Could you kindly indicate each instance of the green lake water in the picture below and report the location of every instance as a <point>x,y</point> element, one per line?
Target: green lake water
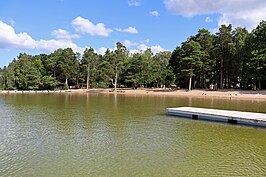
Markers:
<point>117,135</point>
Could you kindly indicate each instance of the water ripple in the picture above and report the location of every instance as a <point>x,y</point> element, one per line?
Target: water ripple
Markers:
<point>56,135</point>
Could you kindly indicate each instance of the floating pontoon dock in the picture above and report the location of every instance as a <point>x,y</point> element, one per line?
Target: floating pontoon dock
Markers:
<point>234,117</point>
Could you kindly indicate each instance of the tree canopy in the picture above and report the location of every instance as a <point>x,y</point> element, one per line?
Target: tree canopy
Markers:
<point>231,58</point>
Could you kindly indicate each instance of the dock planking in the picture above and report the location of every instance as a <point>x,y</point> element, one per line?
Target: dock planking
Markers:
<point>234,117</point>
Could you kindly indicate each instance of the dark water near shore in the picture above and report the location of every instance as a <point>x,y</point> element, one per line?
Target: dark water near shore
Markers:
<point>118,135</point>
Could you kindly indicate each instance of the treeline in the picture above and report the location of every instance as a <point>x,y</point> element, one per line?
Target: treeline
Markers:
<point>229,59</point>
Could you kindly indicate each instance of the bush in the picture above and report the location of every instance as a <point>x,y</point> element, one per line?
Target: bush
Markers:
<point>66,87</point>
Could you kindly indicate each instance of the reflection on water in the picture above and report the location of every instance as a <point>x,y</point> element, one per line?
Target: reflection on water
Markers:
<point>117,135</point>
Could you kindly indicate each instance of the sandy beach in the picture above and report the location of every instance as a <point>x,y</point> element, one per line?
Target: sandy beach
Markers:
<point>226,93</point>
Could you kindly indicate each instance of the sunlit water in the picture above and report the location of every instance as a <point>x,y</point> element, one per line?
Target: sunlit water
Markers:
<point>118,135</point>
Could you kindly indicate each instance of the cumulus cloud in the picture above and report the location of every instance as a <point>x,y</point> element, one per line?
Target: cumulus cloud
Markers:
<point>133,3</point>
<point>12,40</point>
<point>135,47</point>
<point>155,49</point>
<point>134,51</point>
<point>142,47</point>
<point>130,29</point>
<point>139,47</point>
<point>63,34</point>
<point>237,12</point>
<point>129,43</point>
<point>154,13</point>
<point>101,50</point>
<point>84,26</point>
<point>52,45</point>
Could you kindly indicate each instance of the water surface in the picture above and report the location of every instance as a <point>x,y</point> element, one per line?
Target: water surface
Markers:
<point>118,135</point>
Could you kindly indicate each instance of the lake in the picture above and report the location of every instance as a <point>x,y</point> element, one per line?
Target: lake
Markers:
<point>65,134</point>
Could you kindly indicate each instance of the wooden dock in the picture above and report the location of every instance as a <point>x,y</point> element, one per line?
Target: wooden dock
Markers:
<point>233,117</point>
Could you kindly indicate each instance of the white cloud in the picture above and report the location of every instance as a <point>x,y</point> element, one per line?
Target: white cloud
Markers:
<point>52,45</point>
<point>155,13</point>
<point>63,34</point>
<point>129,43</point>
<point>190,8</point>
<point>139,47</point>
<point>237,12</point>
<point>101,50</point>
<point>249,18</point>
<point>133,3</point>
<point>155,49</point>
<point>83,26</point>
<point>134,51</point>
<point>10,39</point>
<point>130,29</point>
<point>142,47</point>
<point>134,47</point>
<point>208,20</point>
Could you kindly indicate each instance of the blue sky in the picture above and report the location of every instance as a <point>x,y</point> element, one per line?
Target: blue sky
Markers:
<point>43,26</point>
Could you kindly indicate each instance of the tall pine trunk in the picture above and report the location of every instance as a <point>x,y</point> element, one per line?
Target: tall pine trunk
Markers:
<point>190,77</point>
<point>190,82</point>
<point>116,77</point>
<point>88,76</point>
<point>66,82</point>
<point>221,74</point>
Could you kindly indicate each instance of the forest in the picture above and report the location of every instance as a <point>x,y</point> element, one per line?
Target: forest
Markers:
<point>230,58</point>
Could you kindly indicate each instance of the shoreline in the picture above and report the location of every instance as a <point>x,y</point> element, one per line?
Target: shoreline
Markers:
<point>197,93</point>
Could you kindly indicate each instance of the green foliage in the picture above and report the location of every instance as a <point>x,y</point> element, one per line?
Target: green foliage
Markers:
<point>223,52</point>
<point>120,56</point>
<point>241,54</point>
<point>227,58</point>
<point>106,70</point>
<point>206,73</point>
<point>2,79</point>
<point>66,63</point>
<point>256,57</point>
<point>192,59</point>
<point>133,70</point>
<point>160,70</point>
<point>49,83</point>
<point>89,63</point>
<point>26,75</point>
<point>66,87</point>
<point>175,65</point>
